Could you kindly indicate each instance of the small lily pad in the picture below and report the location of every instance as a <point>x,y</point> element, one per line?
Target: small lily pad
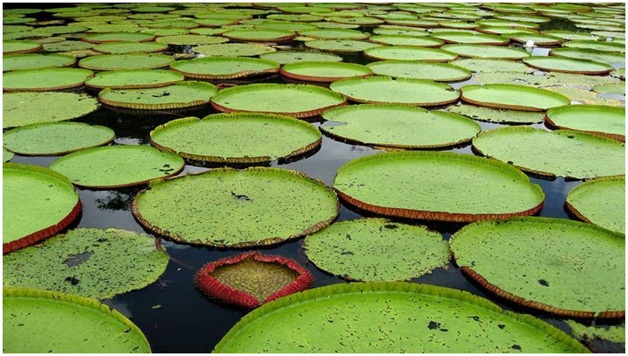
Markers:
<point>600,201</point>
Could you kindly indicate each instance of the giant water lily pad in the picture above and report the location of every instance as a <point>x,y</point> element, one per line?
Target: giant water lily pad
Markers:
<point>261,137</point>
<point>564,153</point>
<point>78,261</point>
<point>38,204</point>
<point>336,34</point>
<point>409,53</point>
<point>18,108</point>
<point>117,166</point>
<point>500,116</point>
<point>471,38</point>
<point>440,72</point>
<point>323,71</point>
<point>35,61</point>
<point>252,279</point>
<point>130,47</point>
<point>134,79</point>
<point>601,120</point>
<point>515,97</point>
<point>568,65</point>
<point>603,46</point>
<point>81,325</point>
<point>20,47</point>
<point>600,201</point>
<point>237,208</point>
<point>285,57</point>
<point>379,89</point>
<point>287,99</point>
<point>234,49</point>
<point>190,40</point>
<point>486,52</point>
<point>390,317</point>
<point>589,54</point>
<point>376,250</point>
<point>452,187</point>
<point>7,155</point>
<point>46,79</point>
<point>571,268</point>
<point>118,37</point>
<point>340,46</point>
<point>126,61</point>
<point>55,138</point>
<point>225,67</point>
<point>480,65</point>
<point>398,126</point>
<point>186,94</point>
<point>404,40</point>
<point>258,35</point>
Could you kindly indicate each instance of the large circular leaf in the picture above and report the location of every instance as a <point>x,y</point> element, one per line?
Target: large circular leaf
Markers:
<point>117,166</point>
<point>38,204</point>
<point>409,53</point>
<point>130,47</point>
<point>79,325</point>
<point>186,94</point>
<point>46,79</point>
<point>568,65</point>
<point>571,268</point>
<point>452,187</point>
<point>510,96</point>
<point>601,120</point>
<point>275,36</point>
<point>118,37</point>
<point>261,137</point>
<point>20,47</point>
<point>404,40</point>
<point>36,61</point>
<point>126,61</point>
<point>340,46</point>
<point>378,89</point>
<point>190,40</point>
<point>285,57</point>
<point>589,54</point>
<point>562,153</point>
<point>18,108</point>
<point>471,38</point>
<point>600,201</point>
<point>225,67</point>
<point>398,126</point>
<point>336,34</point>
<point>323,71</point>
<point>236,208</point>
<point>440,72</point>
<point>134,79</point>
<point>376,250</point>
<point>501,116</point>
<point>55,138</point>
<point>602,46</point>
<point>287,99</point>
<point>390,317</point>
<point>486,52</point>
<point>234,49</point>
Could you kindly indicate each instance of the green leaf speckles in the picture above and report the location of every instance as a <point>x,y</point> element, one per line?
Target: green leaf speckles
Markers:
<point>514,97</point>
<point>600,201</point>
<point>18,108</point>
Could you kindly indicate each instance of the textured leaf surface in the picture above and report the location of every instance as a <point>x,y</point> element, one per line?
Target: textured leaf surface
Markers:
<point>440,72</point>
<point>130,47</point>
<point>392,317</point>
<point>118,37</point>
<point>340,46</point>
<point>190,40</point>
<point>226,207</point>
<point>45,79</point>
<point>613,333</point>
<point>125,61</point>
<point>17,47</point>
<point>285,57</point>
<point>401,40</point>
<point>18,108</point>
<point>35,61</point>
<point>562,153</point>
<point>38,321</point>
<point>376,250</point>
<point>481,65</point>
<point>568,65</point>
<point>570,267</point>
<point>600,119</point>
<point>516,97</point>
<point>409,53</point>
<point>179,95</point>
<point>224,67</point>
<point>234,49</point>
<point>583,53</point>
<point>7,155</point>
<point>601,201</point>
<point>324,71</point>
<point>486,52</point>
<point>505,116</point>
<point>79,261</point>
<point>133,79</point>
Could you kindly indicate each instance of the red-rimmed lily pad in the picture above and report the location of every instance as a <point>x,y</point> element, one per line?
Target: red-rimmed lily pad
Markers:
<point>568,65</point>
<point>471,38</point>
<point>224,67</point>
<point>36,61</point>
<point>502,116</point>
<point>401,40</point>
<point>81,325</point>
<point>323,71</point>
<point>38,203</point>
<point>20,47</point>
<point>285,57</point>
<point>335,34</point>
<point>440,72</point>
<point>130,47</point>
<point>602,46</point>
<point>560,255</point>
<point>409,53</point>
<point>252,279</point>
<point>117,166</point>
<point>236,208</point>
<point>341,46</point>
<point>488,52</point>
<point>46,79</point>
<point>600,201</point>
<point>187,94</point>
<point>134,79</point>
<point>297,100</point>
<point>126,61</point>
<point>257,35</point>
<point>589,54</point>
<point>564,153</point>
<point>261,137</point>
<point>190,40</point>
<point>118,37</point>
<point>234,49</point>
<point>452,187</point>
<point>601,120</point>
<point>514,97</point>
<point>379,89</point>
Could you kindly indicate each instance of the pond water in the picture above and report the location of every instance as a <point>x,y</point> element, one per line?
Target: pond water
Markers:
<point>173,314</point>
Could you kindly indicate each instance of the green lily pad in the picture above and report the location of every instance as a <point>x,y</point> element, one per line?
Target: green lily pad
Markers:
<point>568,65</point>
<point>602,46</point>
<point>38,204</point>
<point>117,166</point>
<point>500,116</point>
<point>376,250</point>
<point>390,317</point>
<point>403,31</point>
<point>234,49</point>
<point>505,30</point>
<point>45,79</point>
<point>130,47</point>
<point>55,138</point>
<point>214,22</point>
<point>224,67</point>
<point>286,57</point>
<point>362,21</point>
<point>525,18</point>
<point>236,208</point>
<point>335,34</point>
<point>378,89</point>
<point>486,52</point>
<point>409,53</point>
<point>600,201</point>
<point>118,37</point>
<point>479,65</point>
<point>285,25</point>
<point>335,25</point>
<point>560,254</point>
<point>257,35</point>
<point>296,100</point>
<point>440,72</point>
<point>537,39</point>
<point>66,46</point>
<point>617,88</point>
<point>564,153</point>
<point>20,47</point>
<point>515,97</point>
<point>7,155</point>
<point>606,121</point>
<point>341,46</point>
<point>295,18</point>
<point>504,23</point>
<point>323,71</point>
<point>126,61</point>
<point>17,108</point>
<point>413,23</point>
<point>190,40</point>
<point>81,325</point>
<point>205,31</point>
<point>185,94</point>
<point>398,126</point>
<point>471,38</point>
<point>404,40</point>
<point>452,187</point>
<point>261,137</point>
<point>36,61</point>
<point>78,261</point>
<point>614,333</point>
<point>568,35</point>
<point>134,79</point>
